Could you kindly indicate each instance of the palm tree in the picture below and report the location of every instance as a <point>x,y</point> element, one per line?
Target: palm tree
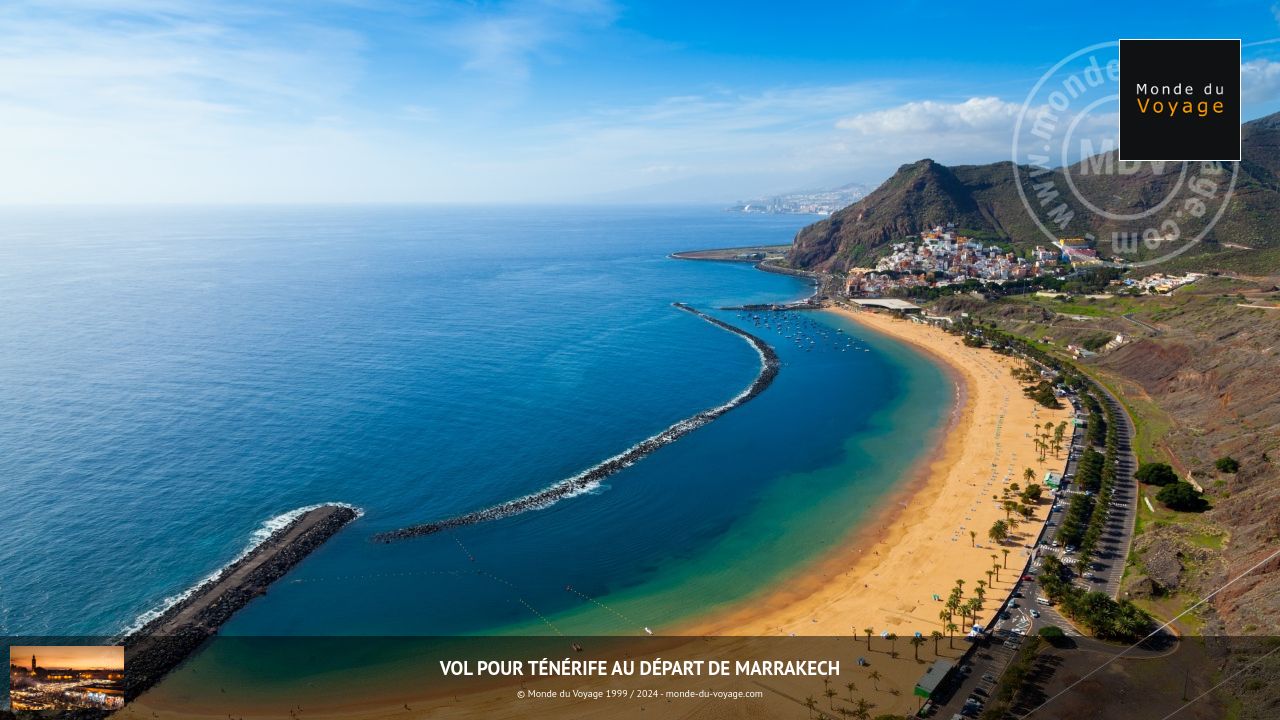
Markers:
<point>973,538</point>
<point>916,642</point>
<point>1029,474</point>
<point>944,615</point>
<point>868,631</point>
<point>989,574</point>
<point>851,686</point>
<point>893,644</point>
<point>1006,556</point>
<point>863,711</point>
<point>936,637</point>
<point>996,568</point>
<point>810,703</point>
<point>951,630</point>
<point>831,697</point>
<point>999,531</point>
<point>875,678</point>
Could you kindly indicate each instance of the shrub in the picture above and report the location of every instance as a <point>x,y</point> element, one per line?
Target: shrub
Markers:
<point>1053,635</point>
<point>1156,474</point>
<point>1227,464</point>
<point>1181,496</point>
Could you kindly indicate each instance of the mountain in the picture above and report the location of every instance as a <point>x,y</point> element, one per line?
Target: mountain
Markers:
<point>984,201</point>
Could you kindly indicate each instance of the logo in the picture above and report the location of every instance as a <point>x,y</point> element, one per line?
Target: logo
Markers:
<point>1098,209</point>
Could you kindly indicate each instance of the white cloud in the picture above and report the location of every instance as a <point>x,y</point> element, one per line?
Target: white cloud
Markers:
<point>505,43</point>
<point>1259,81</point>
<point>977,114</point>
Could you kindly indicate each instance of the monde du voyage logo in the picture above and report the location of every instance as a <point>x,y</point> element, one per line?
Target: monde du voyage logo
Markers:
<point>1126,153</point>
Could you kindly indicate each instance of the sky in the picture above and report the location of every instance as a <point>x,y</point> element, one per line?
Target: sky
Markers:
<point>545,101</point>
<point>73,657</point>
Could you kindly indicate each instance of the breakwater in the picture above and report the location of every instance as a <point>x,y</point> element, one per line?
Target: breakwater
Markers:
<point>590,478</point>
<point>164,641</point>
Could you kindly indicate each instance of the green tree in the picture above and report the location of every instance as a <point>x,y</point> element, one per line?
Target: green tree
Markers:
<point>1032,494</point>
<point>999,531</point>
<point>1227,464</point>
<point>1181,496</point>
<point>1156,473</point>
<point>916,642</point>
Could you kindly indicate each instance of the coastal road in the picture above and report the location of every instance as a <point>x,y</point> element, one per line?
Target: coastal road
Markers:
<point>1117,536</point>
<point>1108,564</point>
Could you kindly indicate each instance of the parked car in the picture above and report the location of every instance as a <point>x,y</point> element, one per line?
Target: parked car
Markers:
<point>1035,613</point>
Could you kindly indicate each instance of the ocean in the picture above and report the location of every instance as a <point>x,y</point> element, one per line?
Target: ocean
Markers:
<point>176,380</point>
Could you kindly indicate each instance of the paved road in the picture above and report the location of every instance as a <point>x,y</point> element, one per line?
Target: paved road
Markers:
<point>1154,330</point>
<point>1024,615</point>
<point>1117,537</point>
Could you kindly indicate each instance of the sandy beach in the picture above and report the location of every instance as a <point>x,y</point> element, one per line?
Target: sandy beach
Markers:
<point>884,576</point>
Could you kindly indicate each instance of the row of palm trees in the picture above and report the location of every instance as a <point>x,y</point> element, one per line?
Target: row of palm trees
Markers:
<point>1050,438</point>
<point>860,707</point>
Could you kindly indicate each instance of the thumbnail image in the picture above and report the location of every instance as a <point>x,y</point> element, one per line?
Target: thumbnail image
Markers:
<point>66,677</point>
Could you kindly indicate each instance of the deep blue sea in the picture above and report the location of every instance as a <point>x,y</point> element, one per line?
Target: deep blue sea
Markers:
<point>172,379</point>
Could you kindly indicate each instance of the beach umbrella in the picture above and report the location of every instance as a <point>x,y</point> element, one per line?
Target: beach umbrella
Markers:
<point>918,634</point>
<point>884,634</point>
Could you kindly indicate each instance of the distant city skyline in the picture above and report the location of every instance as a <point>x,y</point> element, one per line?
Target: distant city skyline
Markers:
<point>563,101</point>
<point>71,657</point>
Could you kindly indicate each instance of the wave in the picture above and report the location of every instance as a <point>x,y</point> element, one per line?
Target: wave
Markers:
<point>263,533</point>
<point>589,479</point>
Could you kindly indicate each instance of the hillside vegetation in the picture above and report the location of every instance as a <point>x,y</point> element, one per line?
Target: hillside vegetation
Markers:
<point>984,201</point>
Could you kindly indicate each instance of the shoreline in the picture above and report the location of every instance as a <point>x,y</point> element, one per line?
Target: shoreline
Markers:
<point>808,604</point>
<point>881,575</point>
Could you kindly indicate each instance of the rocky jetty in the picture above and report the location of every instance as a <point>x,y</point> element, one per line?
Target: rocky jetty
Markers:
<point>164,642</point>
<point>590,478</point>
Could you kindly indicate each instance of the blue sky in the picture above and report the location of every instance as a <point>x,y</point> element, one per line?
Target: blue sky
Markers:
<point>130,101</point>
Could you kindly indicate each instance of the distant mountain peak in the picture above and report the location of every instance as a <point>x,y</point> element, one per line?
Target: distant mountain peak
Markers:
<point>984,200</point>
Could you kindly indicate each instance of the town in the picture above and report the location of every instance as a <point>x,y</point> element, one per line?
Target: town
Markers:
<point>942,257</point>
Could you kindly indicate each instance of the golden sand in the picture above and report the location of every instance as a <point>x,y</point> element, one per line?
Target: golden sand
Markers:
<point>886,576</point>
<point>883,577</point>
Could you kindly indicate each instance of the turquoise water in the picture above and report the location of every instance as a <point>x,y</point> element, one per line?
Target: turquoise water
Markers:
<point>174,378</point>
